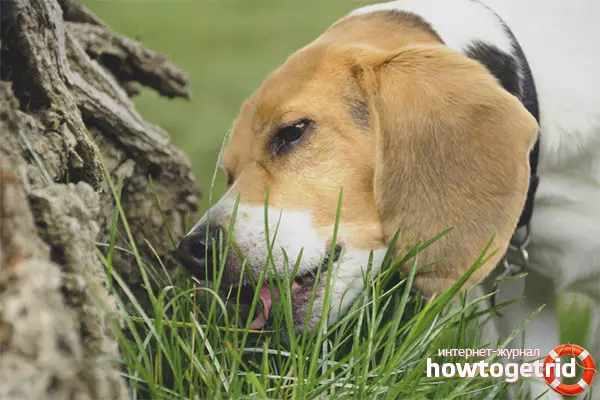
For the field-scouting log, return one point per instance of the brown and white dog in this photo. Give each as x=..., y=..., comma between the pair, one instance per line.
x=422, y=111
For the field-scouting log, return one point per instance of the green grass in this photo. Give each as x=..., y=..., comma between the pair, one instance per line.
x=190, y=344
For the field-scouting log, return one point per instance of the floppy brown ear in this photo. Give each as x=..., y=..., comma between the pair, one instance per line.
x=452, y=150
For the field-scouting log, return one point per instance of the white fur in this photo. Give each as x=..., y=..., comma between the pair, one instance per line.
x=559, y=39
x=458, y=22
x=291, y=233
x=349, y=280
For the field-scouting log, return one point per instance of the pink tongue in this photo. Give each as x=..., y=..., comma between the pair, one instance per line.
x=265, y=298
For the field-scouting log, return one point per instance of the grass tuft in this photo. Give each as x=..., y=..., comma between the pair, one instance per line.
x=190, y=344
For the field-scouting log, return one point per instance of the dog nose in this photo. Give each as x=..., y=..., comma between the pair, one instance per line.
x=197, y=247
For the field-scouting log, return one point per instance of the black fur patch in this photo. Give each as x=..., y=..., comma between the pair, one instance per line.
x=504, y=66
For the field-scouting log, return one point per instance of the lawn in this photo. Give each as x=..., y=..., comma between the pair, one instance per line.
x=190, y=342
x=228, y=47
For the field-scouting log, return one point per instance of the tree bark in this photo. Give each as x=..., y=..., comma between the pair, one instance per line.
x=65, y=115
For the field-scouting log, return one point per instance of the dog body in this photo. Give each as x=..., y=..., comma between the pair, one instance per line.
x=565, y=233
x=564, y=249
x=565, y=228
x=565, y=241
x=408, y=107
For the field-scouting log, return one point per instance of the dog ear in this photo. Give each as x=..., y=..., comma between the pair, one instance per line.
x=452, y=150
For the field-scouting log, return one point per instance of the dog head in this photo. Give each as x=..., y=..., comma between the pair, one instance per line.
x=417, y=137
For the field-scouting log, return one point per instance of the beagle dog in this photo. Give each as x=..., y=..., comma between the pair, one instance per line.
x=428, y=114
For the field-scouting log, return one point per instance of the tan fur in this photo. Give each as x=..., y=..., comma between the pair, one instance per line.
x=445, y=145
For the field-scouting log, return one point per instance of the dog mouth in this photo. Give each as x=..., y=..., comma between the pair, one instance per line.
x=301, y=292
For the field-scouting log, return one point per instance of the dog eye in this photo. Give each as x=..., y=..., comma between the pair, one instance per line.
x=285, y=138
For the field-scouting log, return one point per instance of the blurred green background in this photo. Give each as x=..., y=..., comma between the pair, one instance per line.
x=227, y=47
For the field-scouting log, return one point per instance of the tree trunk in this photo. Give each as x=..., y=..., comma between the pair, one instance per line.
x=65, y=115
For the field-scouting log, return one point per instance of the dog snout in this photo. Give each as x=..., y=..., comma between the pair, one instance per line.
x=198, y=246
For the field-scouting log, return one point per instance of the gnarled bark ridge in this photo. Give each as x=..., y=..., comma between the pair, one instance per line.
x=65, y=112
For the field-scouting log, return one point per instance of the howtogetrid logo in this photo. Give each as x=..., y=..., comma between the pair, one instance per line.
x=550, y=369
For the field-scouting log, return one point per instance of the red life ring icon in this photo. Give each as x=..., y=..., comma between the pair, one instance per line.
x=589, y=369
